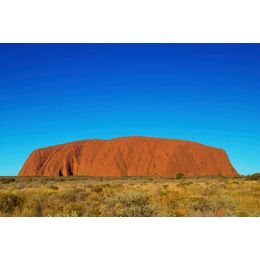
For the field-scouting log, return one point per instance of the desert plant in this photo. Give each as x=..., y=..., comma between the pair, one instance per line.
x=200, y=204
x=68, y=196
x=73, y=210
x=180, y=175
x=138, y=196
x=37, y=208
x=10, y=202
x=52, y=186
x=253, y=177
x=7, y=180
x=97, y=189
x=133, y=204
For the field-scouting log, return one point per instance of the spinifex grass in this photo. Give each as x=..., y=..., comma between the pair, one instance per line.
x=129, y=196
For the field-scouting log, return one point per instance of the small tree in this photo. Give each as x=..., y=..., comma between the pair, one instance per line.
x=179, y=175
x=254, y=177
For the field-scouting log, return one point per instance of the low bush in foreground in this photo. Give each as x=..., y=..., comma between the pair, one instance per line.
x=129, y=204
x=10, y=203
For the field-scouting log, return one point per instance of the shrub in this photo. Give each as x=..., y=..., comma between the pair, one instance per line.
x=163, y=192
x=52, y=186
x=209, y=191
x=97, y=189
x=68, y=196
x=37, y=208
x=200, y=204
x=253, y=177
x=219, y=206
x=28, y=179
x=74, y=195
x=133, y=204
x=10, y=202
x=7, y=180
x=21, y=185
x=43, y=180
x=182, y=184
x=81, y=194
x=73, y=210
x=179, y=175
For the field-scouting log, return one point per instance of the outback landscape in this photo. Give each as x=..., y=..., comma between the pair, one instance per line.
x=142, y=177
x=130, y=130
x=130, y=196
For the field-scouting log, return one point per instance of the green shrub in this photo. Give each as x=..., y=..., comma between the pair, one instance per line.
x=179, y=175
x=10, y=202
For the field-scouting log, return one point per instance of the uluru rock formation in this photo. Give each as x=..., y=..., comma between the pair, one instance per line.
x=128, y=156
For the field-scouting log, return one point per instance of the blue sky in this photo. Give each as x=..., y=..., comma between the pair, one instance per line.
x=56, y=93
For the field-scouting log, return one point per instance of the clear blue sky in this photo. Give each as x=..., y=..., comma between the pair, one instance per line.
x=51, y=94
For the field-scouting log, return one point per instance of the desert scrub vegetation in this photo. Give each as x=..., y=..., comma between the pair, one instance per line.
x=180, y=175
x=130, y=197
x=9, y=203
x=129, y=204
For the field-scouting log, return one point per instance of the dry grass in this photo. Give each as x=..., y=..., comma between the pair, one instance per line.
x=83, y=196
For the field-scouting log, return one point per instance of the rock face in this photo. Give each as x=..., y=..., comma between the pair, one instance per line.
x=128, y=156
